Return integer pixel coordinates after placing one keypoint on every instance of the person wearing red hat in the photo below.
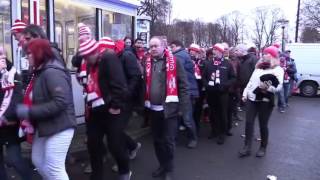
(107, 96)
(16, 30)
(218, 76)
(261, 107)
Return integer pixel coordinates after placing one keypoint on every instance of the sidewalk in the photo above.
(78, 143)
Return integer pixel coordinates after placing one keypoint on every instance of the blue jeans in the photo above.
(14, 159)
(283, 95)
(189, 123)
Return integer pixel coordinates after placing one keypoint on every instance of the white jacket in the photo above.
(254, 81)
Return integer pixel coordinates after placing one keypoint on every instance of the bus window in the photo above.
(67, 15)
(5, 34)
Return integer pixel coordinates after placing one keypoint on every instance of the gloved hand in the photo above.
(3, 121)
(22, 111)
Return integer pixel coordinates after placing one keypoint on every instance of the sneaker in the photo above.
(244, 152)
(115, 168)
(242, 135)
(133, 153)
(281, 110)
(182, 128)
(87, 169)
(258, 139)
(239, 109)
(261, 152)
(192, 144)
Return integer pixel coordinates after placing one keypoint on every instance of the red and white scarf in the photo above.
(82, 73)
(217, 73)
(171, 81)
(284, 65)
(26, 128)
(197, 71)
(94, 96)
(7, 86)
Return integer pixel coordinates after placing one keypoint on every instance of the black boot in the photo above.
(220, 140)
(159, 172)
(261, 152)
(245, 151)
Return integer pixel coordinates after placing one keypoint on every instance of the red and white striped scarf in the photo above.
(284, 65)
(94, 96)
(171, 81)
(197, 71)
(7, 86)
(26, 128)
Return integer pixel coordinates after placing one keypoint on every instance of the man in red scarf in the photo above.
(107, 95)
(166, 94)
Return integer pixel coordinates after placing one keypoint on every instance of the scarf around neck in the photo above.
(171, 79)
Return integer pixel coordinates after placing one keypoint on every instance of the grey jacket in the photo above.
(52, 110)
(246, 68)
(172, 109)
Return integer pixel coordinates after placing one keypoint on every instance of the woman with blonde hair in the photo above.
(266, 80)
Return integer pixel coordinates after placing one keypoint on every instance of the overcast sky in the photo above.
(210, 10)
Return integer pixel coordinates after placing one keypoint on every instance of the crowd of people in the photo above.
(171, 86)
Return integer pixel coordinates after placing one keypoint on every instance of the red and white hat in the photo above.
(219, 47)
(194, 47)
(88, 47)
(83, 30)
(106, 42)
(272, 50)
(18, 26)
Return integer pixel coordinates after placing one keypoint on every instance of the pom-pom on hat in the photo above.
(18, 26)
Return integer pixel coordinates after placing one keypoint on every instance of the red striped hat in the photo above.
(194, 47)
(88, 47)
(18, 26)
(218, 47)
(106, 42)
(83, 30)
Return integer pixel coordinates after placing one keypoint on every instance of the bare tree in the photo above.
(213, 33)
(236, 20)
(310, 35)
(156, 9)
(311, 13)
(266, 24)
(200, 33)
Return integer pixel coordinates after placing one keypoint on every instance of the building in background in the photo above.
(59, 19)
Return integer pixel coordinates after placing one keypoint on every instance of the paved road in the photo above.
(293, 152)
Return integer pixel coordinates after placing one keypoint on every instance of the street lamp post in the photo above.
(283, 23)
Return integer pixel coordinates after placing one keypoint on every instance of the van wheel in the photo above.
(308, 89)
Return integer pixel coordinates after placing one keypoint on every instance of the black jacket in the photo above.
(132, 73)
(112, 81)
(52, 110)
(9, 134)
(246, 68)
(227, 77)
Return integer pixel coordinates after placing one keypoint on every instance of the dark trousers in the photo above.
(188, 121)
(198, 108)
(102, 123)
(218, 104)
(232, 109)
(263, 110)
(164, 133)
(14, 159)
(131, 144)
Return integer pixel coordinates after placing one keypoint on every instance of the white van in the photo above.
(307, 59)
